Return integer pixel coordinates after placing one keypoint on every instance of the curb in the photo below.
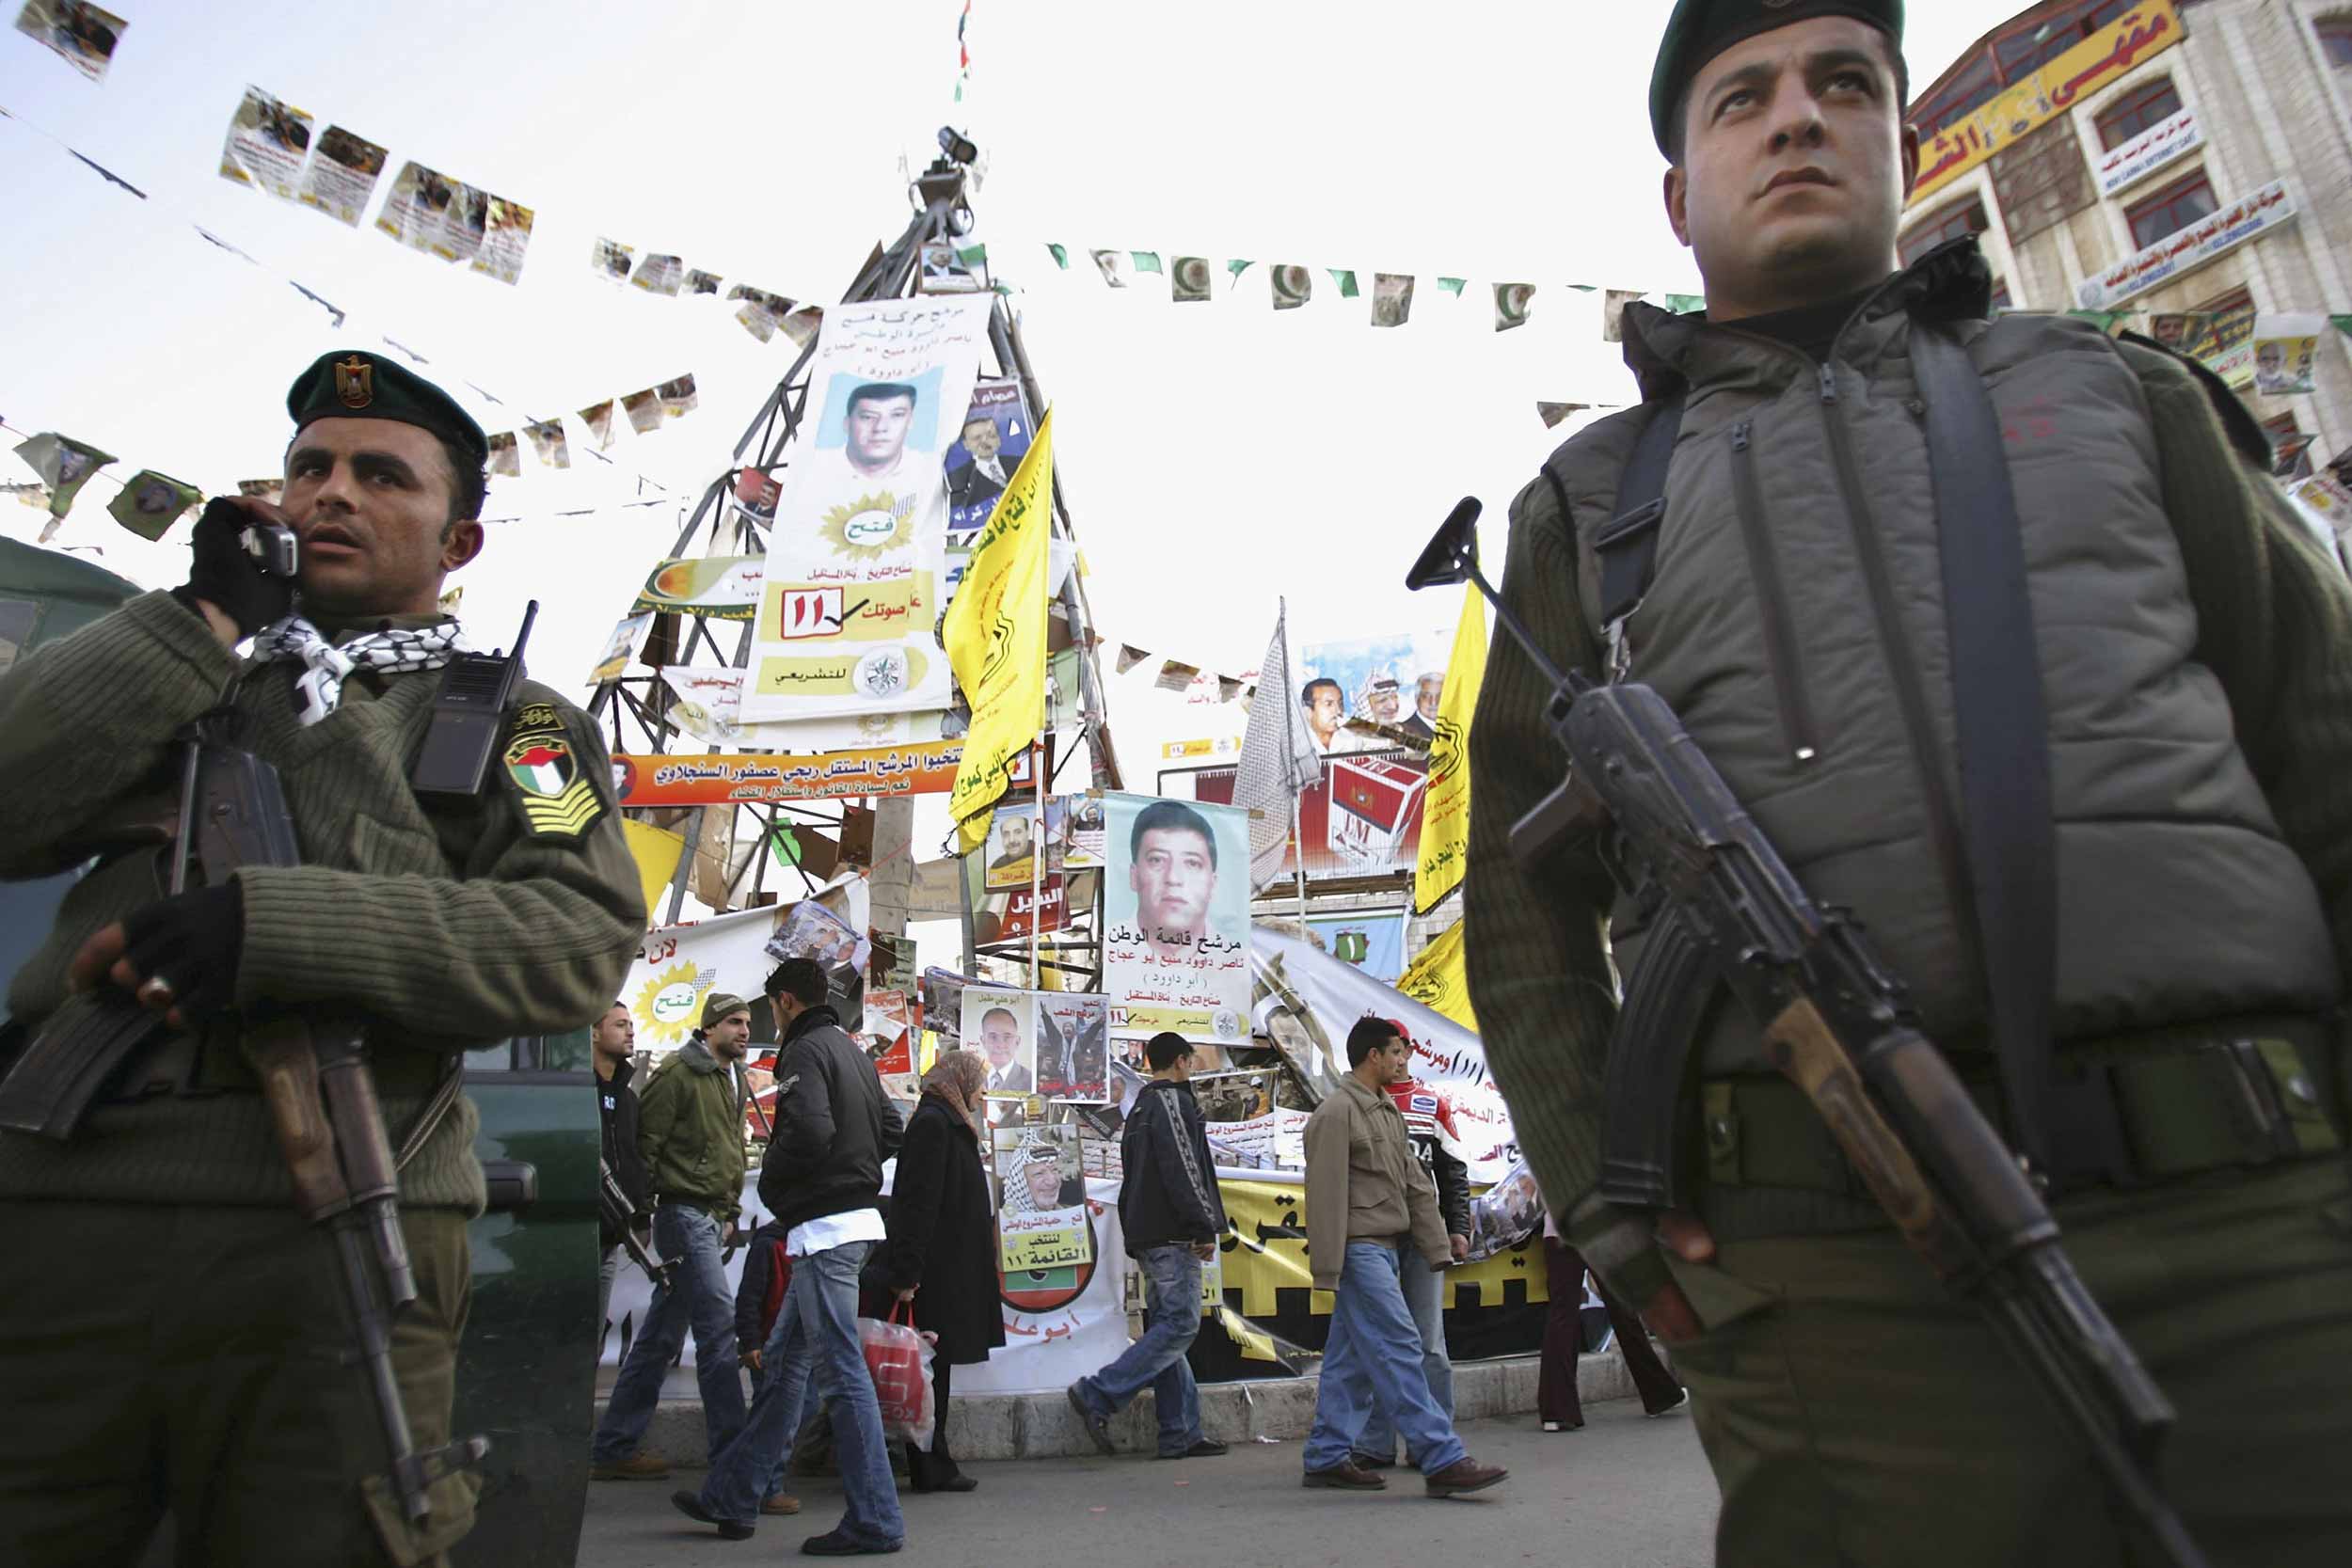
(1042, 1426)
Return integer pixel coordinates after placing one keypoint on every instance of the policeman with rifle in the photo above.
(235, 1166)
(1954, 865)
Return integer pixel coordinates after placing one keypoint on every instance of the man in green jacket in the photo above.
(171, 1330)
(2197, 711)
(690, 1127)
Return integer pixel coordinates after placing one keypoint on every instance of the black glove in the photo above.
(191, 941)
(223, 572)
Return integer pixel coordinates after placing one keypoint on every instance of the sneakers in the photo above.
(838, 1542)
(1208, 1447)
(781, 1505)
(1463, 1476)
(1371, 1462)
(1678, 1403)
(1345, 1477)
(645, 1465)
(1098, 1427)
(1563, 1426)
(690, 1504)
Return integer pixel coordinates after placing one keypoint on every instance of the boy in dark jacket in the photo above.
(1172, 1214)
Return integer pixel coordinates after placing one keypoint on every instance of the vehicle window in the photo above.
(492, 1059)
(565, 1052)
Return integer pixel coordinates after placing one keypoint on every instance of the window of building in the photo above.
(2135, 111)
(1962, 218)
(2170, 210)
(2335, 41)
(1971, 89)
(2038, 43)
(2041, 179)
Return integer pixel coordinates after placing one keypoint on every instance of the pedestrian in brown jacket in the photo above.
(1366, 1193)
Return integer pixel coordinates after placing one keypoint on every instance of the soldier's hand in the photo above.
(177, 956)
(223, 575)
(1628, 1248)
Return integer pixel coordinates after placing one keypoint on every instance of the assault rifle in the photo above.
(1838, 1024)
(621, 1214)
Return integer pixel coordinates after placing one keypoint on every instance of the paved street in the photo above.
(1624, 1493)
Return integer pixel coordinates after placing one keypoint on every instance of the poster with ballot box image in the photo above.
(1176, 918)
(1041, 1218)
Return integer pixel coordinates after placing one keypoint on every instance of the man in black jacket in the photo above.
(612, 1043)
(823, 1180)
(1171, 1215)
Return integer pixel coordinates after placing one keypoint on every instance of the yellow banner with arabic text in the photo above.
(995, 636)
(1438, 981)
(1445, 811)
(2032, 102)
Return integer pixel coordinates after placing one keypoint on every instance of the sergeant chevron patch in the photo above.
(566, 814)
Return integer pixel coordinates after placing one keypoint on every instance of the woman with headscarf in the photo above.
(942, 1249)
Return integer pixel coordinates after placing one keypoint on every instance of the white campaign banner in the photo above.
(1447, 1057)
(857, 560)
(1066, 1329)
(678, 966)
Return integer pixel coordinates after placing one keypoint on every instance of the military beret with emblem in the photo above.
(1701, 30)
(356, 384)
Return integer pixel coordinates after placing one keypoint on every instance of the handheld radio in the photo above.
(468, 713)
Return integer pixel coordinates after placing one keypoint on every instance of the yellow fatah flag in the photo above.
(997, 640)
(1445, 811)
(1438, 981)
(656, 850)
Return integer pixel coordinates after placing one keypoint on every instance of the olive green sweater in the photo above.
(441, 926)
(2274, 625)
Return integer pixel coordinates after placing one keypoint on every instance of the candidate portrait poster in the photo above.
(1001, 1024)
(1176, 918)
(857, 558)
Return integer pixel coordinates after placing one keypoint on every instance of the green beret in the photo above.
(345, 385)
(1701, 30)
(720, 1006)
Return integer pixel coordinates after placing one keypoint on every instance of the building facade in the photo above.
(2182, 167)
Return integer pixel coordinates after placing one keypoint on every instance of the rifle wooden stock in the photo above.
(283, 1058)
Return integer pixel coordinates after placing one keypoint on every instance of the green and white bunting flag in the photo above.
(152, 502)
(1392, 298)
(1113, 265)
(1146, 260)
(1236, 268)
(1452, 286)
(1346, 281)
(1293, 286)
(1189, 283)
(1511, 305)
(1060, 254)
(64, 463)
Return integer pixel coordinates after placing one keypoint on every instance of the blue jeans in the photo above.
(1424, 1298)
(1373, 1357)
(1171, 1278)
(816, 1336)
(689, 1237)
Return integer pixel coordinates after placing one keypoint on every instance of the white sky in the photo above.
(1214, 455)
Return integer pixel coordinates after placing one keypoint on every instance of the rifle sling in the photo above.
(2008, 829)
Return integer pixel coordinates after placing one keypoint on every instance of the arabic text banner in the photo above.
(2144, 31)
(1176, 918)
(649, 779)
(858, 556)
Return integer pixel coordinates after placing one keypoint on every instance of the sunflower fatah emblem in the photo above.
(871, 526)
(665, 1009)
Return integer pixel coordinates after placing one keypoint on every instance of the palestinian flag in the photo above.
(542, 764)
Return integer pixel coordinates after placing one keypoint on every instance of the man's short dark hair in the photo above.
(802, 979)
(1171, 817)
(1307, 692)
(1165, 1049)
(1677, 125)
(881, 391)
(1369, 1034)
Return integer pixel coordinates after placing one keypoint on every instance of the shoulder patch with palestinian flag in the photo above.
(557, 799)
